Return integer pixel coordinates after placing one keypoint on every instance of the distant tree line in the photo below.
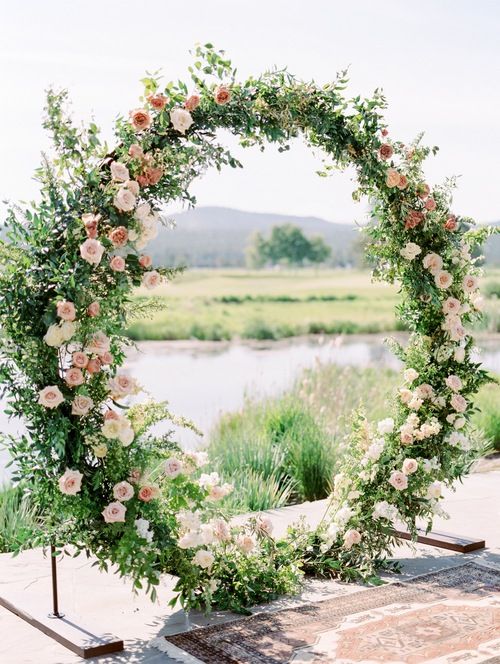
(286, 245)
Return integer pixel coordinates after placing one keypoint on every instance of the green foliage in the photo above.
(487, 417)
(18, 519)
(287, 244)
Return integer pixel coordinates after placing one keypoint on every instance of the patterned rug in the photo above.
(447, 617)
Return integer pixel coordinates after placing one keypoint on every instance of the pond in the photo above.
(201, 380)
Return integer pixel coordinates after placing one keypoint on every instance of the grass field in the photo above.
(228, 304)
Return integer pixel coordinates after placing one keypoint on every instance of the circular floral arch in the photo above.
(105, 484)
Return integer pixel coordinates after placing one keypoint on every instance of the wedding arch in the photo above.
(106, 484)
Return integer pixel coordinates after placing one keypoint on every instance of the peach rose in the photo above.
(132, 186)
(135, 475)
(443, 279)
(118, 236)
(79, 360)
(114, 513)
(454, 383)
(433, 263)
(451, 306)
(148, 492)
(145, 261)
(181, 119)
(124, 200)
(351, 537)
(398, 480)
(458, 403)
(107, 358)
(406, 436)
(74, 377)
(111, 415)
(385, 151)
(135, 151)
(384, 132)
(172, 467)
(157, 101)
(71, 482)
(392, 177)
(413, 219)
(430, 204)
(222, 95)
(119, 172)
(410, 466)
(66, 310)
(94, 365)
(142, 180)
(123, 491)
(93, 309)
(451, 223)
(117, 264)
(423, 190)
(140, 119)
(192, 102)
(154, 175)
(151, 279)
(403, 182)
(90, 221)
(470, 283)
(122, 384)
(50, 396)
(246, 543)
(81, 405)
(92, 251)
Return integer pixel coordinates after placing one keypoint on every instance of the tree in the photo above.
(287, 244)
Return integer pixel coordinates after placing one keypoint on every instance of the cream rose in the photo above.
(203, 558)
(151, 279)
(50, 397)
(246, 543)
(124, 200)
(71, 482)
(409, 466)
(92, 251)
(100, 450)
(458, 403)
(410, 251)
(114, 513)
(181, 119)
(410, 375)
(433, 263)
(53, 337)
(351, 537)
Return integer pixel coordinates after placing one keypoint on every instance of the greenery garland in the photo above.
(107, 486)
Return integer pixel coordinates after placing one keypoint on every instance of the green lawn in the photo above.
(227, 304)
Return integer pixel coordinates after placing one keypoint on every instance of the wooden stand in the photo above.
(83, 641)
(444, 540)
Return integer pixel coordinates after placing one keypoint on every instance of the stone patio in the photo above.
(107, 604)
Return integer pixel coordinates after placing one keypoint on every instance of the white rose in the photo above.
(410, 375)
(204, 559)
(459, 354)
(189, 540)
(385, 426)
(434, 490)
(181, 119)
(124, 200)
(189, 520)
(410, 251)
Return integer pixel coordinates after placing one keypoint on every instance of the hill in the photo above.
(217, 237)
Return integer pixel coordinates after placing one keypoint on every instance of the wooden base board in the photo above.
(67, 630)
(444, 540)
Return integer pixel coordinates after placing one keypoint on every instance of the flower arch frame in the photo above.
(69, 264)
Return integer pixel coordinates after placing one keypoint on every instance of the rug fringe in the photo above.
(179, 655)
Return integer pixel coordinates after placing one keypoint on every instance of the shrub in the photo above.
(18, 519)
(487, 419)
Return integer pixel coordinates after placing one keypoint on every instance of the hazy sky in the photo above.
(437, 61)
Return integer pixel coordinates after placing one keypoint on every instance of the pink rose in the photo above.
(385, 151)
(157, 101)
(118, 236)
(66, 310)
(222, 95)
(90, 221)
(135, 475)
(246, 543)
(443, 279)
(114, 513)
(451, 306)
(451, 223)
(154, 175)
(119, 172)
(81, 405)
(79, 359)
(423, 190)
(430, 204)
(409, 466)
(50, 397)
(123, 491)
(74, 377)
(124, 200)
(142, 180)
(172, 467)
(99, 343)
(135, 151)
(384, 132)
(151, 279)
(470, 283)
(92, 251)
(392, 177)
(433, 263)
(406, 436)
(351, 537)
(454, 383)
(132, 186)
(413, 219)
(94, 365)
(398, 480)
(458, 403)
(148, 492)
(71, 482)
(111, 415)
(93, 309)
(192, 102)
(145, 261)
(140, 119)
(107, 358)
